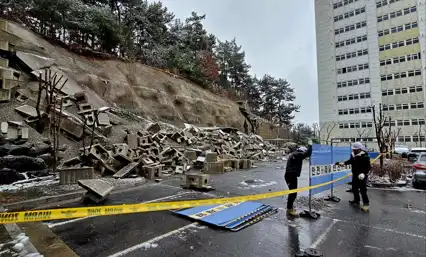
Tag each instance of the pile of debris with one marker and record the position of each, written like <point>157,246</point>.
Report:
<point>154,152</point>
<point>48,98</point>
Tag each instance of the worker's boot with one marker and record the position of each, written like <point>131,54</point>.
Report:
<point>365,207</point>
<point>354,203</point>
<point>292,213</point>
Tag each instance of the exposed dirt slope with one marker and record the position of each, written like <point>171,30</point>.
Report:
<point>148,91</point>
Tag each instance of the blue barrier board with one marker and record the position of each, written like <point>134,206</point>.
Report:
<point>195,210</point>
<point>319,180</point>
<point>325,154</point>
<point>249,217</point>
<point>321,155</point>
<point>232,216</point>
<point>340,174</point>
<point>231,213</point>
<point>340,153</point>
<point>261,208</point>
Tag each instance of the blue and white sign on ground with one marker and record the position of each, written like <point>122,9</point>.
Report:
<point>232,216</point>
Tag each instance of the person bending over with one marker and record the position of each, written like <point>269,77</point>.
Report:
<point>293,171</point>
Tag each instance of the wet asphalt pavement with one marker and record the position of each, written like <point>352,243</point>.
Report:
<point>395,225</point>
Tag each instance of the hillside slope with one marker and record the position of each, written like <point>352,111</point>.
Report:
<point>150,92</point>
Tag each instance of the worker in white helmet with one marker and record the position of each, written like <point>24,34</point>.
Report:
<point>361,166</point>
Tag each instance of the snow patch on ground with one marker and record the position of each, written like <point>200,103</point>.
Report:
<point>21,185</point>
<point>147,246</point>
<point>17,247</point>
<point>257,183</point>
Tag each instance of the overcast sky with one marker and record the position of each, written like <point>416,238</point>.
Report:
<point>278,37</point>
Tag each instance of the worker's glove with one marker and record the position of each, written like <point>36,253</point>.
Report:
<point>361,176</point>
<point>339,164</point>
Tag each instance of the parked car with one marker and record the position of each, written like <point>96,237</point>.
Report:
<point>414,153</point>
<point>419,170</point>
<point>403,150</point>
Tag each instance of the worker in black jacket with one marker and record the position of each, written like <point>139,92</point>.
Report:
<point>361,166</point>
<point>292,172</point>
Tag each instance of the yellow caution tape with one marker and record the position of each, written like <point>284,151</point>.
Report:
<point>82,212</point>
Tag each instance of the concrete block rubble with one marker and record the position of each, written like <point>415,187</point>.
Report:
<point>47,100</point>
<point>154,153</point>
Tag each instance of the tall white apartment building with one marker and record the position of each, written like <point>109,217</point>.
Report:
<point>371,52</point>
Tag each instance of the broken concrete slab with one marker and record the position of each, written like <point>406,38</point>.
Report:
<point>71,162</point>
<point>154,128</point>
<point>72,128</point>
<point>35,62</point>
<point>97,187</point>
<point>132,141</point>
<point>71,176</point>
<point>4,127</point>
<point>103,119</point>
<point>27,111</point>
<point>126,170</point>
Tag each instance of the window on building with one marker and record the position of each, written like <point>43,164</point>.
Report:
<point>405,106</point>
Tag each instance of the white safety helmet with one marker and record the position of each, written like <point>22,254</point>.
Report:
<point>357,146</point>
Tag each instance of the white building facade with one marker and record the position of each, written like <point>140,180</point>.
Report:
<point>371,53</point>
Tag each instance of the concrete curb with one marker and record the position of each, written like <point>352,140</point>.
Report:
<point>46,200</point>
<point>387,185</point>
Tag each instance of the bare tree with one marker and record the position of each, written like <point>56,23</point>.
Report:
<point>326,130</point>
<point>53,104</point>
<point>316,129</point>
<point>421,135</point>
<point>363,133</point>
<point>416,137</point>
<point>390,137</point>
<point>386,134</point>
